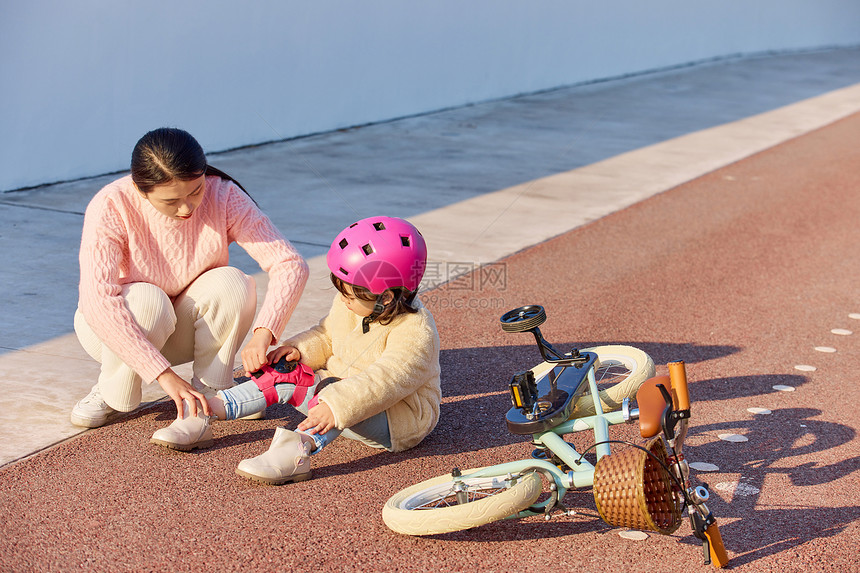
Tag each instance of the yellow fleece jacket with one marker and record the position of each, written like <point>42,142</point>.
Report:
<point>392,368</point>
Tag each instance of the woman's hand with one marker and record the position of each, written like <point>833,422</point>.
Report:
<point>254,353</point>
<point>178,389</point>
<point>319,421</point>
<point>291,352</point>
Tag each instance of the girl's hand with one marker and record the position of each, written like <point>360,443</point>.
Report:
<point>178,389</point>
<point>319,421</point>
<point>254,353</point>
<point>291,352</point>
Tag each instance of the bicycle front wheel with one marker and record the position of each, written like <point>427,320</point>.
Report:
<point>435,506</point>
<point>620,372</point>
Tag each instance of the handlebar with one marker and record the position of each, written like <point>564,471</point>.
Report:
<point>701,519</point>
<point>716,550</point>
<point>680,391</point>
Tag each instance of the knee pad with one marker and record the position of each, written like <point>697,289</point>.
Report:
<point>323,383</point>
<point>284,372</point>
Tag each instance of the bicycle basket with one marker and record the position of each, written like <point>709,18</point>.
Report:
<point>631,489</point>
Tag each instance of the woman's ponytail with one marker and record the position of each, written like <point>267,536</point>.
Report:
<point>169,154</point>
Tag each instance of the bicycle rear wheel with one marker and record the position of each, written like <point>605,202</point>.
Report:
<point>620,372</point>
<point>432,506</point>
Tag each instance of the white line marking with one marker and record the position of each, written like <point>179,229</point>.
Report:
<point>761,411</point>
<point>704,467</point>
<point>634,535</point>
<point>736,488</point>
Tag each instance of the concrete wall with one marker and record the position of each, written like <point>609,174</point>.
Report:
<point>81,81</point>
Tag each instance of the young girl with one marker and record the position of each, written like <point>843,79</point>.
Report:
<point>375,358</point>
<point>156,289</point>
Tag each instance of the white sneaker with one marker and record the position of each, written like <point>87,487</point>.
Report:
<point>186,434</point>
<point>92,411</point>
<point>286,460</point>
<point>207,391</point>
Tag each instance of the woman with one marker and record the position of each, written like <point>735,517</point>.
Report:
<point>155,287</point>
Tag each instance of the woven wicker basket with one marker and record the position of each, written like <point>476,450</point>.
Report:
<point>632,490</point>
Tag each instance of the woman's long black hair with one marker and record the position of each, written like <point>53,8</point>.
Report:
<point>169,154</point>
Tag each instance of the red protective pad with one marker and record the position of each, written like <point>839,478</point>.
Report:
<point>267,377</point>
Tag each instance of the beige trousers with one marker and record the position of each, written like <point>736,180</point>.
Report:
<point>205,324</point>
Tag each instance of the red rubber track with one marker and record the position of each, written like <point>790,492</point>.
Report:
<point>740,273</point>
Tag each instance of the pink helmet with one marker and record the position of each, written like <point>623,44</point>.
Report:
<point>379,253</point>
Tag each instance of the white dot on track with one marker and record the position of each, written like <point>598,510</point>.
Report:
<point>704,467</point>
<point>784,388</point>
<point>634,535</point>
<point>826,349</point>
<point>805,368</point>
<point>760,411</point>
<point>841,331</point>
<point>854,315</point>
<point>737,438</point>
<point>733,487</point>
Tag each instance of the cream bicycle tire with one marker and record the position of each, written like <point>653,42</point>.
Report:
<point>637,362</point>
<point>407,511</point>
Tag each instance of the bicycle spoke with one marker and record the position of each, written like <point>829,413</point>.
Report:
<point>611,370</point>
<point>451,498</point>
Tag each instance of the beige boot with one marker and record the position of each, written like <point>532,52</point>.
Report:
<point>186,434</point>
<point>286,460</point>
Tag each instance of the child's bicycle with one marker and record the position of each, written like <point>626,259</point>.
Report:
<point>641,487</point>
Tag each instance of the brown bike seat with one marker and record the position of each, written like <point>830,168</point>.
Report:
<point>651,405</point>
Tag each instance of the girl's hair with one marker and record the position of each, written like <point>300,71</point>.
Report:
<point>402,302</point>
<point>169,154</point>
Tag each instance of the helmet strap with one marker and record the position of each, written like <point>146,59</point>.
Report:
<point>378,308</point>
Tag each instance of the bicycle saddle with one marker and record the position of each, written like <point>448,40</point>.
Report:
<point>651,406</point>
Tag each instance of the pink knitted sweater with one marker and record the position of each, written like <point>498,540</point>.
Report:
<point>126,240</point>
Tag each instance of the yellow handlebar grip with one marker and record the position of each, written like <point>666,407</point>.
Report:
<point>678,377</point>
<point>719,557</point>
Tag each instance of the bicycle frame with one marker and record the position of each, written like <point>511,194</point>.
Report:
<point>581,473</point>
<point>549,402</point>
